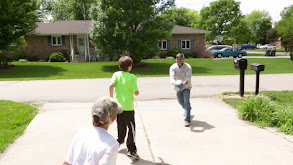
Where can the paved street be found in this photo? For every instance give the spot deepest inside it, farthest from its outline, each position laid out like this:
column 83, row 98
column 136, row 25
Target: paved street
column 216, row 135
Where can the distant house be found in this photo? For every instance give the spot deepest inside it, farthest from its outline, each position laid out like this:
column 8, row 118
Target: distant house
column 185, row 38
column 72, row 37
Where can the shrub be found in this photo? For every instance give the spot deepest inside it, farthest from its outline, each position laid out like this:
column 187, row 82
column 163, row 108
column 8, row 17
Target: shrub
column 33, row 58
column 173, row 52
column 22, row 60
column 156, row 57
column 163, row 55
column 17, row 56
column 291, row 55
column 3, row 59
column 258, row 109
column 191, row 55
column 170, row 58
column 65, row 54
column 284, row 118
column 57, row 57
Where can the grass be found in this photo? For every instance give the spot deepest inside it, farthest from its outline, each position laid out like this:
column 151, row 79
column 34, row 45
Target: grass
column 155, row 68
column 264, row 50
column 14, row 119
column 257, row 54
column 273, row 109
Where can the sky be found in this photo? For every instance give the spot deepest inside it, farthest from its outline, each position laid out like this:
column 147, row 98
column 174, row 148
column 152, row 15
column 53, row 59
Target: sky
column 274, row 7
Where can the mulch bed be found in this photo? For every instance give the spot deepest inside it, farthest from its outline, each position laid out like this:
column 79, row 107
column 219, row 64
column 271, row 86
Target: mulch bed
column 6, row 66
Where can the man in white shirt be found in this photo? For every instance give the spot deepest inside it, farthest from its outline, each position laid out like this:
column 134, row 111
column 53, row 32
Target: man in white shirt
column 94, row 145
column 182, row 71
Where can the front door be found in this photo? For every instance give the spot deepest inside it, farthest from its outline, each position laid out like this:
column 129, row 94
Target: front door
column 81, row 44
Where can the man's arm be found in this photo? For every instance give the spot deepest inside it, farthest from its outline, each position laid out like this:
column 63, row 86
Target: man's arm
column 172, row 74
column 188, row 75
column 65, row 163
column 111, row 89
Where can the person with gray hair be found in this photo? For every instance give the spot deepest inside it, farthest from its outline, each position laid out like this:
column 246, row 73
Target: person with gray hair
column 94, row 145
column 182, row 71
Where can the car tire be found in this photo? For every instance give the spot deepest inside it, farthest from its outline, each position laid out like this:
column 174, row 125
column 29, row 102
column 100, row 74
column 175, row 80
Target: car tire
column 219, row 55
column 240, row 55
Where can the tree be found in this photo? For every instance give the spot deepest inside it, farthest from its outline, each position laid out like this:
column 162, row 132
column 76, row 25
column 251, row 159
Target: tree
column 240, row 33
column 18, row 18
column 272, row 35
column 258, row 23
column 182, row 16
column 285, row 27
column 129, row 26
column 67, row 9
column 220, row 17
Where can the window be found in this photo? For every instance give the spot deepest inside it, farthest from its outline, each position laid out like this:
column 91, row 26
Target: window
column 185, row 44
column 56, row 41
column 163, row 44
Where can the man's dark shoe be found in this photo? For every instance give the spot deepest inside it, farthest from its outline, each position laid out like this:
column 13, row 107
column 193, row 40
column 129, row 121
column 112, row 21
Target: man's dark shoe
column 132, row 154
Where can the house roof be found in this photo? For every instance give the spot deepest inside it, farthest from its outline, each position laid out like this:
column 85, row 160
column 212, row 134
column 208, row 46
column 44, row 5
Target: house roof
column 79, row 27
column 188, row 30
column 63, row 27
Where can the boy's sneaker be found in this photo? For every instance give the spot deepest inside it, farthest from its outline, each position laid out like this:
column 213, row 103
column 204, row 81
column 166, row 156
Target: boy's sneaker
column 132, row 154
column 187, row 124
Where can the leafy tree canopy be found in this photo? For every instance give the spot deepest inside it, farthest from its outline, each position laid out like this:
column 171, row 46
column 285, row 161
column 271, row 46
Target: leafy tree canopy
column 182, row 16
column 220, row 17
column 239, row 34
column 129, row 26
column 285, row 26
column 18, row 18
column 258, row 23
column 67, row 9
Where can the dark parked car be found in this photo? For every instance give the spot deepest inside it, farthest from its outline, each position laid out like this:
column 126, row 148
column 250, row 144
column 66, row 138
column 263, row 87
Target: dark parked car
column 226, row 52
column 247, row 46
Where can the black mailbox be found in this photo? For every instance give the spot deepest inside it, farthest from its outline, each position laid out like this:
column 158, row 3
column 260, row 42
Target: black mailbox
column 240, row 64
column 257, row 67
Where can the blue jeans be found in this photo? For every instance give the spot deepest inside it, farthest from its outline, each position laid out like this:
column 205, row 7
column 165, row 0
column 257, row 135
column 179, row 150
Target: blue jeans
column 183, row 99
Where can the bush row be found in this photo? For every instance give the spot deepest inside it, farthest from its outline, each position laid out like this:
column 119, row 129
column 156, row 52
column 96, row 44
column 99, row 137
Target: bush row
column 173, row 52
column 23, row 57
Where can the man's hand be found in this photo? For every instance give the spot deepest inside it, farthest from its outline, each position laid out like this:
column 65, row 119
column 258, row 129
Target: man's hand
column 185, row 82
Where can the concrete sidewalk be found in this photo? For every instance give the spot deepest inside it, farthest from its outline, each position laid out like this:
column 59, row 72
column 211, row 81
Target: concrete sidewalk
column 216, row 136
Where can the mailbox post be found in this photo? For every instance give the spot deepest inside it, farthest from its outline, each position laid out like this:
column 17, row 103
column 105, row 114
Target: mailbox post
column 257, row 68
column 241, row 65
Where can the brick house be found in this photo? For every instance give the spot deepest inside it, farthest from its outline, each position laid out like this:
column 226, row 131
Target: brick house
column 69, row 36
column 185, row 38
column 72, row 37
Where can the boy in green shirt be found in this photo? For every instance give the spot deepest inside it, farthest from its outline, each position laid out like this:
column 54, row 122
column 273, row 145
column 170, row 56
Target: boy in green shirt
column 125, row 85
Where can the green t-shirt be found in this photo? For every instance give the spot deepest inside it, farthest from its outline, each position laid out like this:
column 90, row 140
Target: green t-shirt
column 125, row 84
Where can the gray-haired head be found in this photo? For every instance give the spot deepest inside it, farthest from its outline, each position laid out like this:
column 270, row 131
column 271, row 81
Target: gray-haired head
column 180, row 55
column 104, row 110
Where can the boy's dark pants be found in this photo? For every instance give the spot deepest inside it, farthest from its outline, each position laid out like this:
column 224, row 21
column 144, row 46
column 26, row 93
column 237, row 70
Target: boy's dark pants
column 124, row 120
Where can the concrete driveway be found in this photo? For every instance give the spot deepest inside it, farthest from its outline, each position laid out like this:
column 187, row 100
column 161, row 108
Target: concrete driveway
column 216, row 134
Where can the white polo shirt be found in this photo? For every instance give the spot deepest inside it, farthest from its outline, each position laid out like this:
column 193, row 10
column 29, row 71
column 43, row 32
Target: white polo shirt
column 93, row 146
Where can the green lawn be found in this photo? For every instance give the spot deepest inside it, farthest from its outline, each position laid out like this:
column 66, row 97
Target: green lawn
column 14, row 118
column 257, row 54
column 155, row 68
column 263, row 50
